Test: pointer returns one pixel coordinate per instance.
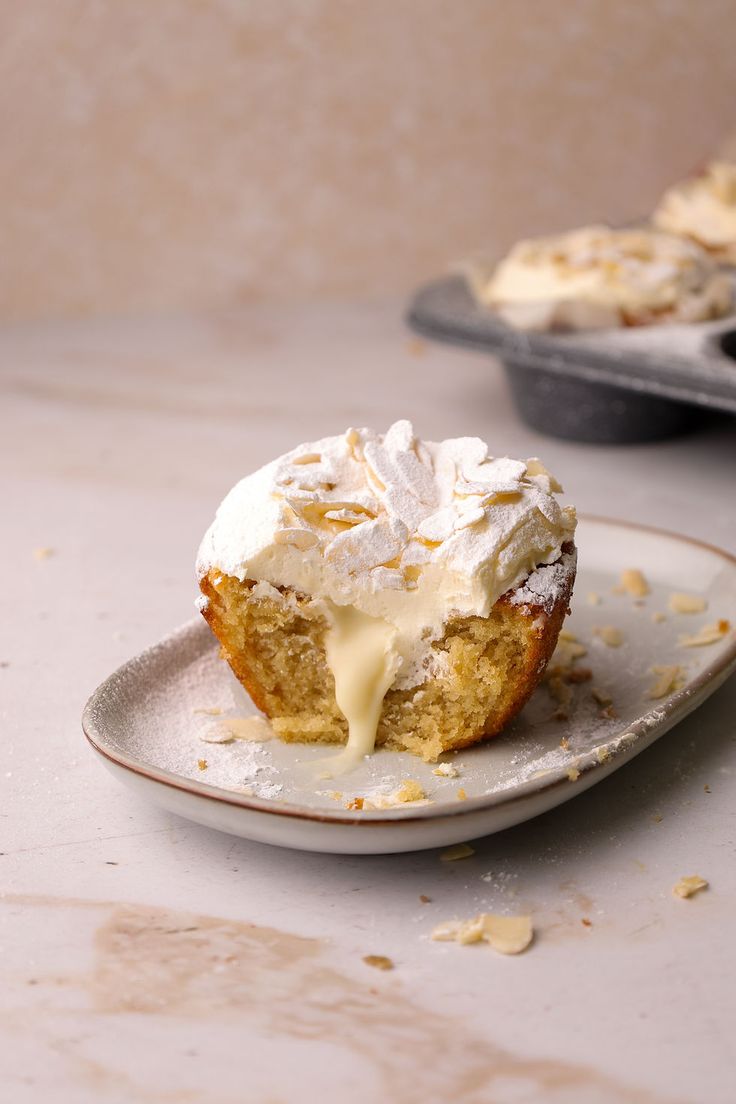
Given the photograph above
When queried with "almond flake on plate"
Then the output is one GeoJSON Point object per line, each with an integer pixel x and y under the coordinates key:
{"type": "Point", "coordinates": [687, 603]}
{"type": "Point", "coordinates": [610, 635]}
{"type": "Point", "coordinates": [669, 678]}
{"type": "Point", "coordinates": [633, 582]}
{"type": "Point", "coordinates": [708, 634]}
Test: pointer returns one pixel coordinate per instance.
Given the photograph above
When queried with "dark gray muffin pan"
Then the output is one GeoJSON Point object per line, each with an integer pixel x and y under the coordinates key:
{"type": "Point", "coordinates": [612, 386]}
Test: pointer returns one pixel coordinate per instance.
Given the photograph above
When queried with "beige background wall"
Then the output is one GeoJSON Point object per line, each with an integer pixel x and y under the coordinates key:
{"type": "Point", "coordinates": [175, 153]}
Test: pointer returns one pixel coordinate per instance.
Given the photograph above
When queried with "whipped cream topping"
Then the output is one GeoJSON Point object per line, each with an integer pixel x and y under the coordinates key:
{"type": "Point", "coordinates": [704, 208]}
{"type": "Point", "coordinates": [595, 278]}
{"type": "Point", "coordinates": [410, 532]}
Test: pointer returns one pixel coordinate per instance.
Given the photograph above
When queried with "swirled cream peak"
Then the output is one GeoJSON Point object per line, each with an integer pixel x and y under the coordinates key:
{"type": "Point", "coordinates": [595, 277]}
{"type": "Point", "coordinates": [704, 208]}
{"type": "Point", "coordinates": [407, 531]}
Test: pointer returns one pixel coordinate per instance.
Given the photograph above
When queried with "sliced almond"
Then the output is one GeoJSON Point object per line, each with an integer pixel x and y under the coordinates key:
{"type": "Point", "coordinates": [690, 884]}
{"type": "Point", "coordinates": [610, 635]}
{"type": "Point", "coordinates": [633, 582]}
{"type": "Point", "coordinates": [708, 634]}
{"type": "Point", "coordinates": [687, 603]}
{"type": "Point", "coordinates": [669, 678]}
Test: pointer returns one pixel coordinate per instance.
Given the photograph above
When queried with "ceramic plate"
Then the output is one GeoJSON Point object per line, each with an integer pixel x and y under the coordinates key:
{"type": "Point", "coordinates": [152, 720]}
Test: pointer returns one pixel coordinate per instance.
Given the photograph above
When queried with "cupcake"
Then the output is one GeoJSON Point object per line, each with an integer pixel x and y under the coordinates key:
{"type": "Point", "coordinates": [372, 589]}
{"type": "Point", "coordinates": [704, 210]}
{"type": "Point", "coordinates": [598, 278]}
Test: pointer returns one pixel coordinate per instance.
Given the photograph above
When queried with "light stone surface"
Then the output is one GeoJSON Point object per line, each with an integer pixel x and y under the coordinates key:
{"type": "Point", "coordinates": [148, 959]}
{"type": "Point", "coordinates": [181, 154]}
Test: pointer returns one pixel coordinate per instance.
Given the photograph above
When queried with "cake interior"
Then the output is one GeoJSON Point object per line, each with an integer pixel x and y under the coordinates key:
{"type": "Point", "coordinates": [482, 670]}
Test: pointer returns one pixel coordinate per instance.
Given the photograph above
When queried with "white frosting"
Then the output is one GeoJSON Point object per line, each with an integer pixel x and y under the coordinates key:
{"type": "Point", "coordinates": [405, 531]}
{"type": "Point", "coordinates": [704, 208]}
{"type": "Point", "coordinates": [595, 278]}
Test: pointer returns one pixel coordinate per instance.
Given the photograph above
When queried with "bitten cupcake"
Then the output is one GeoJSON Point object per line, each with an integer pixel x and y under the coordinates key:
{"type": "Point", "coordinates": [374, 589]}
{"type": "Point", "coordinates": [597, 278]}
{"type": "Point", "coordinates": [704, 209]}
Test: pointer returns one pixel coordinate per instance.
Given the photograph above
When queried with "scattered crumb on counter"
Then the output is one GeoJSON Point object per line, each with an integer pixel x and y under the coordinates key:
{"type": "Point", "coordinates": [610, 635]}
{"type": "Point", "coordinates": [657, 818]}
{"type": "Point", "coordinates": [706, 788]}
{"type": "Point", "coordinates": [708, 634]}
{"type": "Point", "coordinates": [506, 934]}
{"type": "Point", "coordinates": [600, 696]}
{"type": "Point", "coordinates": [564, 743]}
{"type": "Point", "coordinates": [586, 922]}
{"type": "Point", "coordinates": [355, 803]}
{"type": "Point", "coordinates": [602, 753]}
{"type": "Point", "coordinates": [687, 603]}
{"type": "Point", "coordinates": [202, 764]}
{"type": "Point", "coordinates": [632, 582]}
{"type": "Point", "coordinates": [690, 884]}
{"type": "Point", "coordinates": [43, 553]}
{"type": "Point", "coordinates": [209, 711]}
{"type": "Point", "coordinates": [669, 678]}
{"type": "Point", "coordinates": [573, 774]}
{"type": "Point", "coordinates": [457, 851]}
{"type": "Point", "coordinates": [461, 795]}
{"type": "Point", "coordinates": [378, 962]}
{"type": "Point", "coordinates": [425, 899]}
{"type": "Point", "coordinates": [658, 617]}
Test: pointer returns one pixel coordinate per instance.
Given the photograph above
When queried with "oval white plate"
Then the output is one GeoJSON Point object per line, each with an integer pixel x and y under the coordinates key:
{"type": "Point", "coordinates": [148, 719]}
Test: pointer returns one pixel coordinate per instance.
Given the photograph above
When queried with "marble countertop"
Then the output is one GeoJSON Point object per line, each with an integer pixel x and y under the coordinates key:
{"type": "Point", "coordinates": [149, 959]}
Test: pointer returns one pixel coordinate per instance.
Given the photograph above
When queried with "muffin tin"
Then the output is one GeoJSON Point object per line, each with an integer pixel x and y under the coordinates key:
{"type": "Point", "coordinates": [606, 387]}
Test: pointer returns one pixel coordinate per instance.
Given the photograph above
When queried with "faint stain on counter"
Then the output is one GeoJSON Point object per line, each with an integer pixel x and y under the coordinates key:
{"type": "Point", "coordinates": [264, 983]}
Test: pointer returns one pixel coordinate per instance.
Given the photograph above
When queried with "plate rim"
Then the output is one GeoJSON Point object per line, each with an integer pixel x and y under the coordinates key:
{"type": "Point", "coordinates": [632, 737]}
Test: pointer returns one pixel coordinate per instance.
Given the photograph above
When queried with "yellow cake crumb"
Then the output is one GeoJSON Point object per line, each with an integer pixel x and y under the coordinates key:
{"type": "Point", "coordinates": [446, 770]}
{"type": "Point", "coordinates": [610, 635]}
{"type": "Point", "coordinates": [409, 790]}
{"type": "Point", "coordinates": [378, 962]}
{"type": "Point", "coordinates": [602, 697]}
{"type": "Point", "coordinates": [457, 851]}
{"type": "Point", "coordinates": [461, 795]}
{"type": "Point", "coordinates": [687, 603]}
{"type": "Point", "coordinates": [42, 553]}
{"type": "Point", "coordinates": [202, 764]}
{"type": "Point", "coordinates": [573, 774]}
{"type": "Point", "coordinates": [658, 617]}
{"type": "Point", "coordinates": [690, 884]}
